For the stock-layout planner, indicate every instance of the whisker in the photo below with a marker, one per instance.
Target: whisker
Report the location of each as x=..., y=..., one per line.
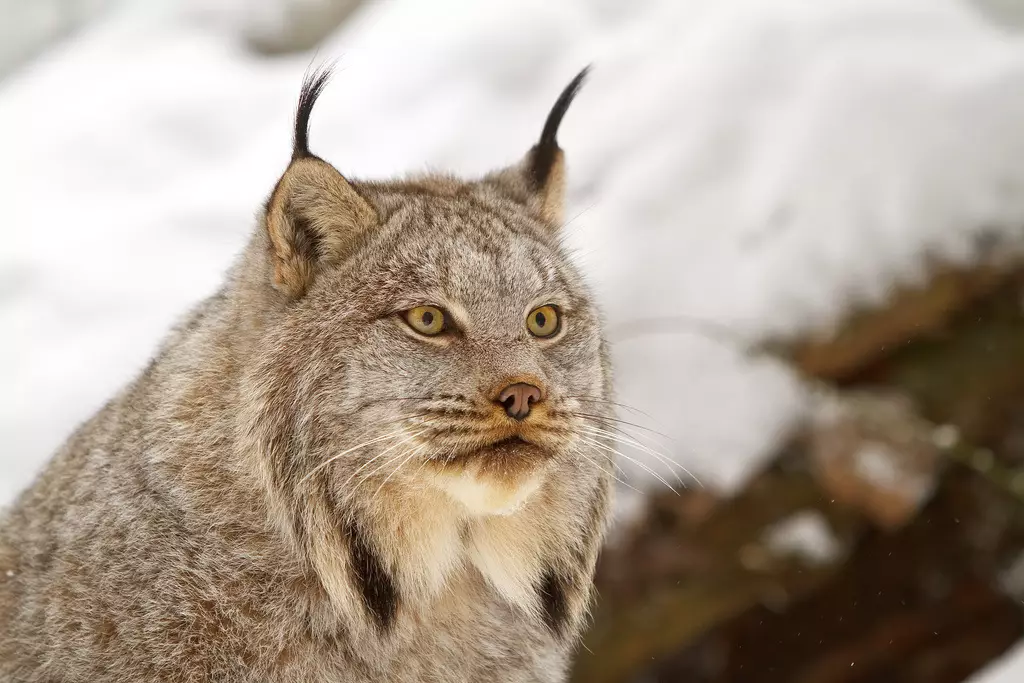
x=576, y=451
x=389, y=420
x=619, y=432
x=420, y=469
x=350, y=450
x=636, y=462
x=454, y=448
x=626, y=441
x=595, y=399
x=387, y=450
x=622, y=434
x=649, y=440
x=617, y=420
x=369, y=475
x=626, y=438
x=387, y=461
x=594, y=459
x=409, y=457
x=374, y=440
x=396, y=398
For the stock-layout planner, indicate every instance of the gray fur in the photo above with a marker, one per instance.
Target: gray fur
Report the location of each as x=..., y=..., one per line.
x=191, y=531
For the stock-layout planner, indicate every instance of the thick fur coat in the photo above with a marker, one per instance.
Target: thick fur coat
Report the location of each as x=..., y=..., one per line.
x=304, y=486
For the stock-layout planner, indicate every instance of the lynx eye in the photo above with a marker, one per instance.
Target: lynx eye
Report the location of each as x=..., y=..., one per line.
x=427, y=320
x=544, y=321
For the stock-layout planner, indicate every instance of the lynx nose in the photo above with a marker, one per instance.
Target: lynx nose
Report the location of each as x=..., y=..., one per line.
x=518, y=398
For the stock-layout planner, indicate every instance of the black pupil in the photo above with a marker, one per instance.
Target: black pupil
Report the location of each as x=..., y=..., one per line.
x=428, y=318
x=541, y=319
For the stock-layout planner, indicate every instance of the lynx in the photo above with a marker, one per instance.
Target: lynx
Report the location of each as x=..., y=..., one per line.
x=377, y=453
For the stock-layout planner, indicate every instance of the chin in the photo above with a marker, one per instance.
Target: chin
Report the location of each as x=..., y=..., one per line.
x=495, y=480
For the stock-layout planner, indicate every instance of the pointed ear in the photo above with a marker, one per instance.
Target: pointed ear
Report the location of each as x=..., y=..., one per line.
x=314, y=214
x=540, y=177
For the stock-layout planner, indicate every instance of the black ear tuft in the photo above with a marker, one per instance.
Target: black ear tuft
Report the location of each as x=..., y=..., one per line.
x=312, y=85
x=544, y=153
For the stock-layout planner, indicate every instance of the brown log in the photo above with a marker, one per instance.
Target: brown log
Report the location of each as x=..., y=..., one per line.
x=912, y=314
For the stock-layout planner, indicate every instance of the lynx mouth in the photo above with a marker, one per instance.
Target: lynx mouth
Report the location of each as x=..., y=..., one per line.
x=510, y=440
x=509, y=444
x=511, y=452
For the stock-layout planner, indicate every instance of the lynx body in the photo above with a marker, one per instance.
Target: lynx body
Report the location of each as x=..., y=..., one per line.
x=375, y=454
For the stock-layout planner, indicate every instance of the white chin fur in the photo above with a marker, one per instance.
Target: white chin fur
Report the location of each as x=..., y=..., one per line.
x=484, y=495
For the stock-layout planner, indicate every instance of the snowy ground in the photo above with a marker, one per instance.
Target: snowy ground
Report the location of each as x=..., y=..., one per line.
x=763, y=165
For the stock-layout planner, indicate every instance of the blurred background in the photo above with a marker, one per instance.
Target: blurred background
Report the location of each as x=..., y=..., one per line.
x=804, y=220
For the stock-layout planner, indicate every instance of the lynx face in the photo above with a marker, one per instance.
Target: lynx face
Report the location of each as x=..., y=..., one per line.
x=436, y=334
x=459, y=345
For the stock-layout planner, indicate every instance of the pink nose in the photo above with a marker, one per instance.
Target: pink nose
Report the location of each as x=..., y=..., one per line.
x=518, y=399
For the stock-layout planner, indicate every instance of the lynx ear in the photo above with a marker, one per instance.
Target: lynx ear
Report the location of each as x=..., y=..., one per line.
x=540, y=177
x=314, y=214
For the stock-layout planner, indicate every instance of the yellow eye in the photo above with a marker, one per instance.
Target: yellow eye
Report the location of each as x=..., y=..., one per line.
x=543, y=321
x=428, y=320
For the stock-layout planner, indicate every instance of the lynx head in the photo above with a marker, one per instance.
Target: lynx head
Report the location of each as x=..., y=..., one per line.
x=431, y=388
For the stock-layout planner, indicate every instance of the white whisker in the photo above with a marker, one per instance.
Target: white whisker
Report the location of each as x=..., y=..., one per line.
x=628, y=439
x=598, y=444
x=594, y=399
x=387, y=461
x=420, y=468
x=412, y=454
x=617, y=421
x=387, y=450
x=350, y=450
x=580, y=453
x=632, y=440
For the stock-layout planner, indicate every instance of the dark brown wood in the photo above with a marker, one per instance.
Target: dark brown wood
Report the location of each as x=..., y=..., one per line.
x=913, y=313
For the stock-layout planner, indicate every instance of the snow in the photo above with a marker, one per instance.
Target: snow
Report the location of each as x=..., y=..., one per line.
x=1008, y=669
x=806, y=535
x=757, y=166
x=29, y=26
x=888, y=470
x=1011, y=581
